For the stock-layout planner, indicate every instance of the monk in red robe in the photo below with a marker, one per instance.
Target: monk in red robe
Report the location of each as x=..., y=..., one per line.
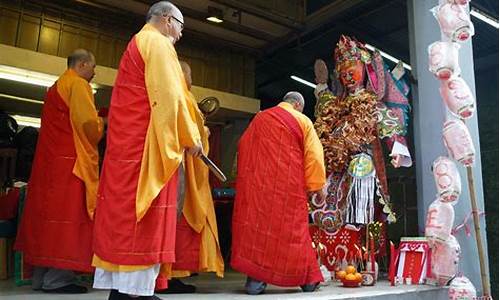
x=55, y=233
x=280, y=160
x=149, y=129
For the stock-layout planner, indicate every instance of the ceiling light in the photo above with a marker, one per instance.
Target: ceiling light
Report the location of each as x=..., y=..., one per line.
x=484, y=17
x=27, y=121
x=31, y=77
x=303, y=81
x=388, y=56
x=215, y=15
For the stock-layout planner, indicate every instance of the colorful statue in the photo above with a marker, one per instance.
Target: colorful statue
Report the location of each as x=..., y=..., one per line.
x=351, y=125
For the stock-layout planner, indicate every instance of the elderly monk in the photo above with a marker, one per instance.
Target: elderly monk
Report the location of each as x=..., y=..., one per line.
x=280, y=160
x=55, y=233
x=149, y=129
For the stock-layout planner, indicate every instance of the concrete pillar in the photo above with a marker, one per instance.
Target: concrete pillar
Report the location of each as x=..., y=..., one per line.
x=429, y=114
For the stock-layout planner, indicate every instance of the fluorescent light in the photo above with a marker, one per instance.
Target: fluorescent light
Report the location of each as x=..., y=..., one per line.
x=20, y=99
x=303, y=81
x=214, y=19
x=388, y=56
x=27, y=121
x=484, y=17
x=31, y=77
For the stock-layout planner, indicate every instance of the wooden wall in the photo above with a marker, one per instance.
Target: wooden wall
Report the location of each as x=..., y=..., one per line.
x=48, y=28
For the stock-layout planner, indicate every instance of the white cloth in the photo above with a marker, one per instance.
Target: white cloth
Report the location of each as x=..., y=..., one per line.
x=136, y=283
x=401, y=149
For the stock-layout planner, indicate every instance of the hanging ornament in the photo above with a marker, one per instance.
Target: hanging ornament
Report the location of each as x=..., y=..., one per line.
x=461, y=288
x=443, y=59
x=439, y=221
x=447, y=178
x=458, y=97
x=458, y=2
x=444, y=260
x=458, y=141
x=454, y=21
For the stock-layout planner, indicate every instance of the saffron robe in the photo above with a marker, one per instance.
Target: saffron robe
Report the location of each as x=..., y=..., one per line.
x=149, y=128
x=56, y=226
x=280, y=158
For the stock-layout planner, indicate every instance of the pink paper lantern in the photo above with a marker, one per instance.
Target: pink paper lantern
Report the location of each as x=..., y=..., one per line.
x=458, y=2
x=458, y=141
x=461, y=288
x=447, y=180
x=444, y=260
x=439, y=221
x=458, y=97
x=443, y=59
x=454, y=21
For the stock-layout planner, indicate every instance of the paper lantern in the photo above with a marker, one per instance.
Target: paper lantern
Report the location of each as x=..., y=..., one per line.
x=443, y=59
x=461, y=288
x=454, y=21
x=444, y=260
x=439, y=221
x=458, y=2
x=447, y=178
x=458, y=141
x=458, y=97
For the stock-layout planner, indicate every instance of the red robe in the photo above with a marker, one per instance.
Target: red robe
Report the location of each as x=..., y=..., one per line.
x=118, y=237
x=55, y=230
x=271, y=240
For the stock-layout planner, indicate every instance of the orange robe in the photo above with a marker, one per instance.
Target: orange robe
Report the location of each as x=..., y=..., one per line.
x=197, y=243
x=149, y=128
x=280, y=158
x=56, y=226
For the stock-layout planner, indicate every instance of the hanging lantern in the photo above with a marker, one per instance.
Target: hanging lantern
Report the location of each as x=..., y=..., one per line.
x=444, y=260
x=461, y=288
x=458, y=97
x=447, y=178
x=458, y=141
x=439, y=221
x=443, y=59
x=454, y=21
x=458, y=2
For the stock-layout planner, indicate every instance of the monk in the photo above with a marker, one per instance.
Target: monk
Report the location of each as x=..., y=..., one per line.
x=55, y=233
x=197, y=243
x=280, y=161
x=150, y=129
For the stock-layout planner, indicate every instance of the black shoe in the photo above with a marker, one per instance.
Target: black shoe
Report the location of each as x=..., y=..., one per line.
x=310, y=287
x=255, y=287
x=175, y=286
x=116, y=295
x=67, y=289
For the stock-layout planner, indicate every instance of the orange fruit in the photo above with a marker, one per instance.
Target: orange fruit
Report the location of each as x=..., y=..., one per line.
x=350, y=269
x=359, y=277
x=341, y=275
x=350, y=277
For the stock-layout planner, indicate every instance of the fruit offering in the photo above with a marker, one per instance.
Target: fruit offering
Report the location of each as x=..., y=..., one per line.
x=349, y=277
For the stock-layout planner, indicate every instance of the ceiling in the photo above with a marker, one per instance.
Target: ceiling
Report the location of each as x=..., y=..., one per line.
x=286, y=37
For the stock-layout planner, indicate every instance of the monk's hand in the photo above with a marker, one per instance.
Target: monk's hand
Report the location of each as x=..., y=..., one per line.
x=207, y=130
x=320, y=194
x=196, y=150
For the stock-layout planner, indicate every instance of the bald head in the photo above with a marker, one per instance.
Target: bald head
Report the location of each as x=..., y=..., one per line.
x=83, y=63
x=186, y=69
x=296, y=99
x=79, y=55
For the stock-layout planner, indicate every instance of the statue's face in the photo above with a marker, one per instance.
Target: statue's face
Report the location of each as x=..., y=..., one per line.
x=352, y=74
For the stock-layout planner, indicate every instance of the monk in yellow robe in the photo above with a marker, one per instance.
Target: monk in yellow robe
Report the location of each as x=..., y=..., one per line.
x=150, y=129
x=197, y=242
x=55, y=233
x=280, y=161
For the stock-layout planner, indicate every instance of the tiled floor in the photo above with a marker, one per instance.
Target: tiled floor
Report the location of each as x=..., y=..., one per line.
x=231, y=287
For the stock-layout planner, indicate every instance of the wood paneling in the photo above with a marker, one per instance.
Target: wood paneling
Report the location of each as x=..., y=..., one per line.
x=31, y=26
